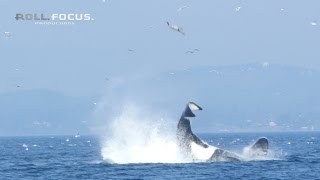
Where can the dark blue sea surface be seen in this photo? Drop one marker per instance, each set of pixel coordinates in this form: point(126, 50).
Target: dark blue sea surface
point(297, 156)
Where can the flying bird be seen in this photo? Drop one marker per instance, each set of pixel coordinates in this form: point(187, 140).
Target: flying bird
point(175, 28)
point(7, 34)
point(192, 51)
point(187, 52)
point(313, 23)
point(238, 8)
point(182, 8)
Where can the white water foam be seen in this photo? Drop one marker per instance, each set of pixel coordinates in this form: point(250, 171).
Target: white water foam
point(136, 137)
point(200, 153)
point(249, 154)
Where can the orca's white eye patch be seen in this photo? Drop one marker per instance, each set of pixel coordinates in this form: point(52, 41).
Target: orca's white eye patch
point(194, 107)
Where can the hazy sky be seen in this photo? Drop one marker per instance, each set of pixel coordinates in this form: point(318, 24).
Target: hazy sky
point(76, 59)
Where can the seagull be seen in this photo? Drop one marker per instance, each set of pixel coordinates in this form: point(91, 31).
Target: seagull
point(214, 71)
point(187, 52)
point(175, 28)
point(265, 64)
point(182, 8)
point(237, 8)
point(192, 51)
point(313, 23)
point(7, 34)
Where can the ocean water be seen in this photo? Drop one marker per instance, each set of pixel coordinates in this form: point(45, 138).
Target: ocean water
point(294, 156)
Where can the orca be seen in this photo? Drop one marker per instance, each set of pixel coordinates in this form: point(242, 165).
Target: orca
point(186, 138)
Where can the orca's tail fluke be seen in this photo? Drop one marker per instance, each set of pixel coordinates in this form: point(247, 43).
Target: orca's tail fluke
point(261, 145)
point(184, 133)
point(191, 106)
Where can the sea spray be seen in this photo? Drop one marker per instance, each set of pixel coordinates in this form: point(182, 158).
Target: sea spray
point(137, 136)
point(251, 155)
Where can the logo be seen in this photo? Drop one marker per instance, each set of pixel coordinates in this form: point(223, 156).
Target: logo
point(54, 19)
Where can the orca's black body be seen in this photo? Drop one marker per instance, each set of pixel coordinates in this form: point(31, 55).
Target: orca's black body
point(185, 137)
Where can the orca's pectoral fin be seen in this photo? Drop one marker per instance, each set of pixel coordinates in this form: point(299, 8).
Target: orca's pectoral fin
point(261, 145)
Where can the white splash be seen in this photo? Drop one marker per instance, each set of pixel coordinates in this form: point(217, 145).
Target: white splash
point(77, 135)
point(25, 146)
point(201, 153)
point(255, 155)
point(135, 137)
